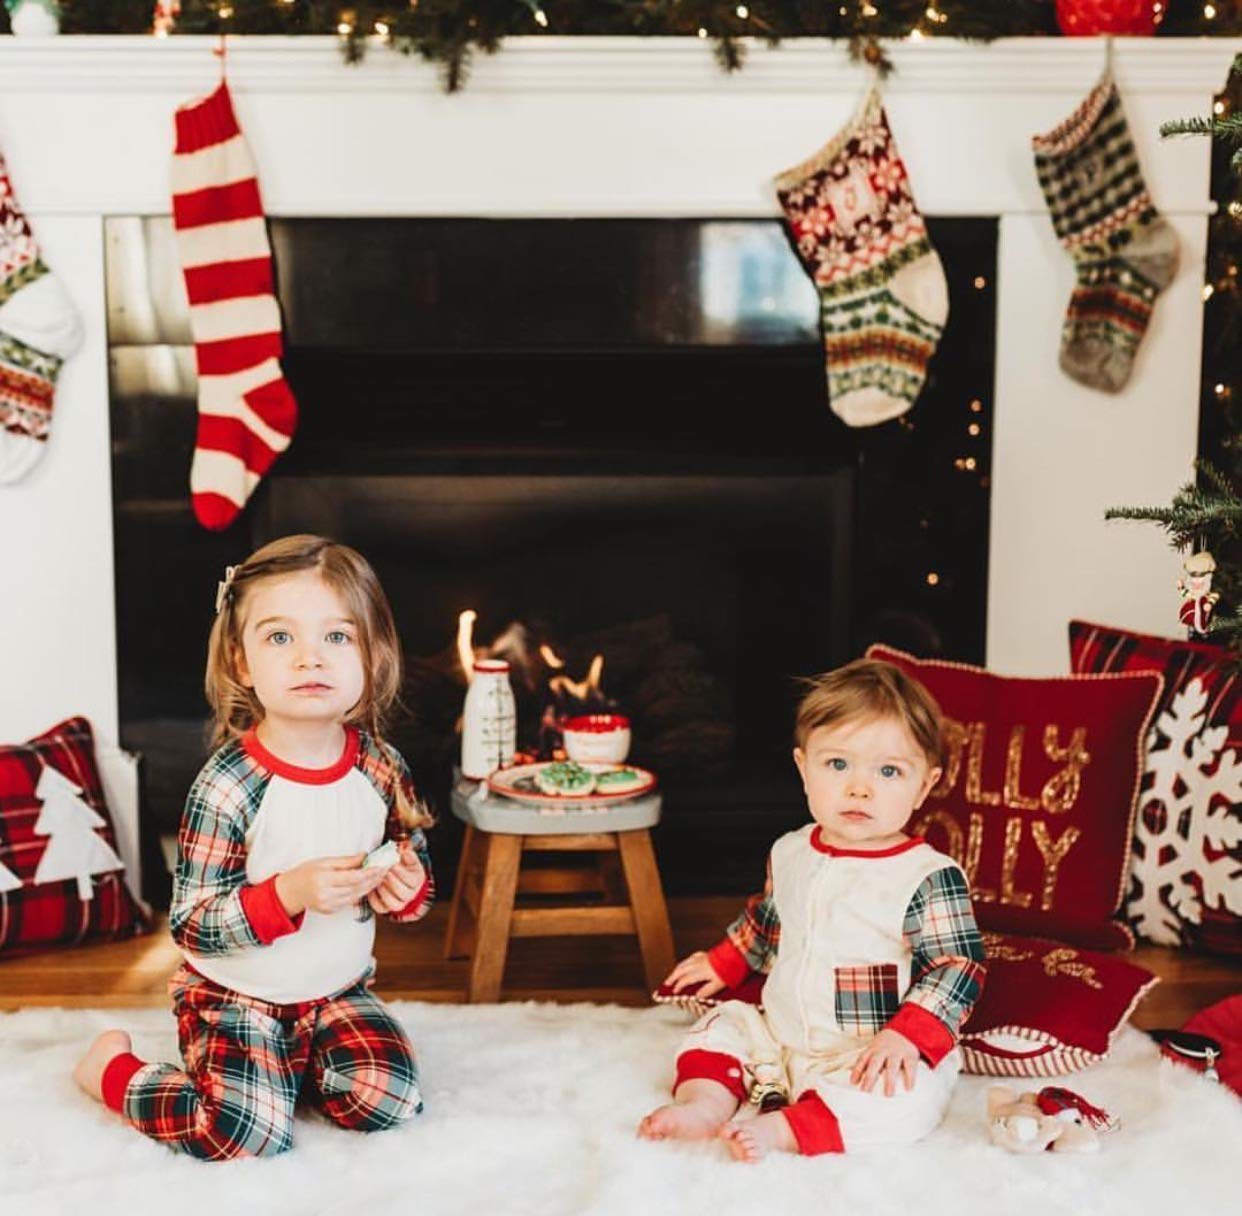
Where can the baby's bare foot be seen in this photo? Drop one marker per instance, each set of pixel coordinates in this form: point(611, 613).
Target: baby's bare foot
point(89, 1070)
point(754, 1139)
point(682, 1121)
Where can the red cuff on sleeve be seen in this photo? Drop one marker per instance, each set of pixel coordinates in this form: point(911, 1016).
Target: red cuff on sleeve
point(116, 1078)
point(417, 902)
point(814, 1126)
point(700, 1065)
point(926, 1031)
point(265, 912)
point(728, 962)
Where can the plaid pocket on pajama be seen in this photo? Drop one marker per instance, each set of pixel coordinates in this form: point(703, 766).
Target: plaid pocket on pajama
point(866, 997)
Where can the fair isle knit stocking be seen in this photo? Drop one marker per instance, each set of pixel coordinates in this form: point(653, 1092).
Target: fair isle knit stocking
point(246, 412)
point(1124, 252)
point(39, 329)
point(883, 295)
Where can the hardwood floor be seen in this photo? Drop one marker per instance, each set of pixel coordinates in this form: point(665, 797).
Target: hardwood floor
point(603, 969)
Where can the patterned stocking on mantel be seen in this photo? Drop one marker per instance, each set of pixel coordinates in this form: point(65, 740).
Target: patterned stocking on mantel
point(883, 296)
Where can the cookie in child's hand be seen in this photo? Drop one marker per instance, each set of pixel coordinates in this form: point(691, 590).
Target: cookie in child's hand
point(386, 856)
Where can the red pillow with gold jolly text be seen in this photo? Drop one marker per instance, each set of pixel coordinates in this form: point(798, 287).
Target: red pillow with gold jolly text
point(1036, 799)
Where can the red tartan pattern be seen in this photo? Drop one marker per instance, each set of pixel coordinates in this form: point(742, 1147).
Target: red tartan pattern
point(51, 914)
point(248, 1062)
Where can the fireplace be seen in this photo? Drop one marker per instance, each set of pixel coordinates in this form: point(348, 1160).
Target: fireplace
point(612, 431)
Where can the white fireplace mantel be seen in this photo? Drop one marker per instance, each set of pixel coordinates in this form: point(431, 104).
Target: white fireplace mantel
point(625, 127)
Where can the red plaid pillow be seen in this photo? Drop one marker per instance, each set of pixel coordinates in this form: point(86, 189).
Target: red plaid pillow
point(61, 878)
point(1186, 874)
point(1037, 797)
point(1048, 1008)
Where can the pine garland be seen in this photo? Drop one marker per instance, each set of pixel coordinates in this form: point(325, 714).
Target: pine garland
point(450, 32)
point(1207, 513)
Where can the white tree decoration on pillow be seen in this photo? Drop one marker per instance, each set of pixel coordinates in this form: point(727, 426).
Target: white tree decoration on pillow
point(74, 849)
point(8, 880)
point(1193, 800)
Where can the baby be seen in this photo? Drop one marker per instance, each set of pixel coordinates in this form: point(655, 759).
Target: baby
point(867, 936)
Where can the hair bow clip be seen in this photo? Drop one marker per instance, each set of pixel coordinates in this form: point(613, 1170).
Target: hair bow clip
point(224, 588)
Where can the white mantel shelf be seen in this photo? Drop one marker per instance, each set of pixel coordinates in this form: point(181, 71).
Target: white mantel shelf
point(624, 127)
point(86, 63)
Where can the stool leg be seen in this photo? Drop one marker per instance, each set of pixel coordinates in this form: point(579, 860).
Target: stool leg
point(457, 937)
point(655, 935)
point(487, 969)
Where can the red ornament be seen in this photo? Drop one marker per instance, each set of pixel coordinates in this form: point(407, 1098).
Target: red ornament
point(1084, 17)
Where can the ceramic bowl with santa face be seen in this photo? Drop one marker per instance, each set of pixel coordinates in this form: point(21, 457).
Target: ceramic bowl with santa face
point(597, 738)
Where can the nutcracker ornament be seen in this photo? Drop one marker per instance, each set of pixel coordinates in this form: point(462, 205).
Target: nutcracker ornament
point(1198, 598)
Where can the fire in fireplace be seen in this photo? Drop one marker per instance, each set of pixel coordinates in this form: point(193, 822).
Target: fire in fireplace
point(616, 453)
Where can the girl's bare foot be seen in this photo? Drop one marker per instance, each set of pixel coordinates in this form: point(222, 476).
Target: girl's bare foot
point(754, 1139)
point(89, 1070)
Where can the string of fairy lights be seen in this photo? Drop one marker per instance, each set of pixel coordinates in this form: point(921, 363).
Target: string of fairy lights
point(448, 32)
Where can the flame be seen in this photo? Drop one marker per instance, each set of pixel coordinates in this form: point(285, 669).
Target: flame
point(465, 642)
point(580, 689)
point(550, 657)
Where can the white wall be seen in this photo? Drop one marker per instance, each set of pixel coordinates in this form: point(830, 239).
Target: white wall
point(57, 620)
point(619, 127)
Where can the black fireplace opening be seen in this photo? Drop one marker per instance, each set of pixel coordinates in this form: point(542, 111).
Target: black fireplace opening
point(611, 435)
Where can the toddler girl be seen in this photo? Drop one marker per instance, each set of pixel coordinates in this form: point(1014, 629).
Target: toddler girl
point(272, 905)
point(868, 940)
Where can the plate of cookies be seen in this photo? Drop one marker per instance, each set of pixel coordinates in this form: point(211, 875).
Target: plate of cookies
point(562, 782)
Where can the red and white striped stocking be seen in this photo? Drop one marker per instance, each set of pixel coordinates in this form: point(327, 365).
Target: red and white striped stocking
point(246, 412)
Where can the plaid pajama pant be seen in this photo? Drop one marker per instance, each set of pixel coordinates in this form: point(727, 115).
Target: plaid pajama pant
point(248, 1062)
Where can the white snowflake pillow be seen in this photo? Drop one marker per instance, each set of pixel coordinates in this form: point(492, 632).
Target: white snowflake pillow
point(1186, 875)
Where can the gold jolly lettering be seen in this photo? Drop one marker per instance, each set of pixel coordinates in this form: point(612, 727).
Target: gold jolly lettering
point(1014, 796)
point(1061, 790)
point(1053, 852)
point(1009, 863)
point(977, 735)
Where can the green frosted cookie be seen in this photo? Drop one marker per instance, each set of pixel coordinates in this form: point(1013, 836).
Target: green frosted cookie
point(618, 781)
point(565, 778)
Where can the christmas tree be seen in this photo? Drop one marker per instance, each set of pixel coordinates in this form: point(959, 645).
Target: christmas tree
point(1206, 513)
point(74, 850)
point(8, 880)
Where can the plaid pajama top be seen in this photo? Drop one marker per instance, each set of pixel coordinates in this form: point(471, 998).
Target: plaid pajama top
point(248, 817)
point(854, 942)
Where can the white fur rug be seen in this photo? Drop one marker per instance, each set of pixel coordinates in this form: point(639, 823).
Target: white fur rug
point(532, 1108)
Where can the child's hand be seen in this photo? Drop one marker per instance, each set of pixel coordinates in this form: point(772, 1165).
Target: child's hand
point(696, 969)
point(889, 1055)
point(326, 884)
point(400, 884)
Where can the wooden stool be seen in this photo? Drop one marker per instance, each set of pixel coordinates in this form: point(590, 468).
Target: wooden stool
point(490, 877)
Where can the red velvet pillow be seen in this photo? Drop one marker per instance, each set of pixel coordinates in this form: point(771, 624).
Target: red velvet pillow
point(1036, 801)
point(61, 878)
point(1048, 1008)
point(1186, 872)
